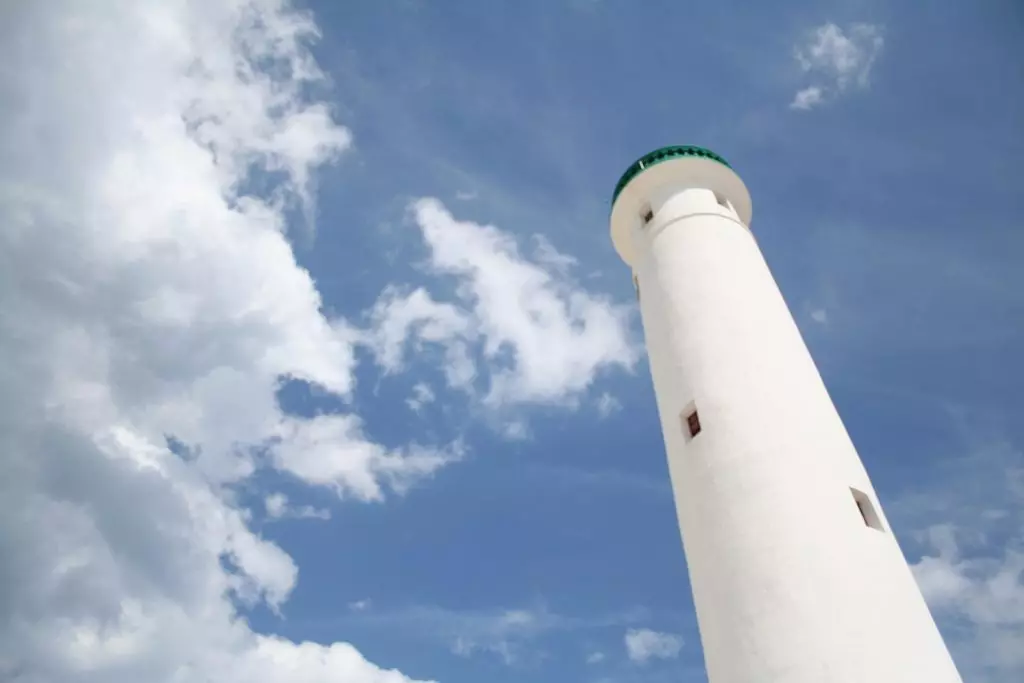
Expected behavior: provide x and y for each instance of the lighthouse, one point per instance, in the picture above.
(795, 572)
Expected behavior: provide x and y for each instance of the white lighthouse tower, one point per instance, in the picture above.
(796, 575)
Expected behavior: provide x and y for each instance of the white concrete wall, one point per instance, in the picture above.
(789, 583)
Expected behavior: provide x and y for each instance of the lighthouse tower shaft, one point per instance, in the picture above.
(795, 572)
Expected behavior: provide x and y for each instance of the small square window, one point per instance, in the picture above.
(646, 214)
(692, 421)
(867, 510)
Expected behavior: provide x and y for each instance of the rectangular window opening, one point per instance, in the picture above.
(691, 422)
(722, 201)
(646, 214)
(867, 510)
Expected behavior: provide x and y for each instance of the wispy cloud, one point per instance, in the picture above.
(513, 636)
(516, 430)
(422, 395)
(607, 404)
(360, 605)
(967, 523)
(837, 61)
(820, 316)
(502, 634)
(331, 451)
(808, 97)
(643, 645)
(277, 506)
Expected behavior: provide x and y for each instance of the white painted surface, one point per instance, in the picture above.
(789, 584)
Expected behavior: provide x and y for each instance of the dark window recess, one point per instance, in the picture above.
(721, 200)
(647, 215)
(693, 424)
(867, 510)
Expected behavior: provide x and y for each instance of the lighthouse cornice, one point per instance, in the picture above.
(660, 155)
(652, 178)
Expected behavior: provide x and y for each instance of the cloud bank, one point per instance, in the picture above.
(146, 294)
(151, 305)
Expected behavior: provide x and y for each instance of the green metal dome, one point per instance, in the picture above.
(663, 154)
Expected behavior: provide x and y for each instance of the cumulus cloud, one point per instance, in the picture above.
(837, 61)
(151, 307)
(643, 644)
(146, 295)
(540, 337)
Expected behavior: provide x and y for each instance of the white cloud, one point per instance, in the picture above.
(988, 593)
(144, 295)
(422, 395)
(820, 316)
(644, 644)
(276, 504)
(545, 254)
(400, 319)
(608, 404)
(277, 507)
(837, 60)
(808, 98)
(542, 338)
(360, 605)
(595, 657)
(516, 430)
(971, 565)
(331, 450)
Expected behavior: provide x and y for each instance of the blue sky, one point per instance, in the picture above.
(889, 213)
(440, 446)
